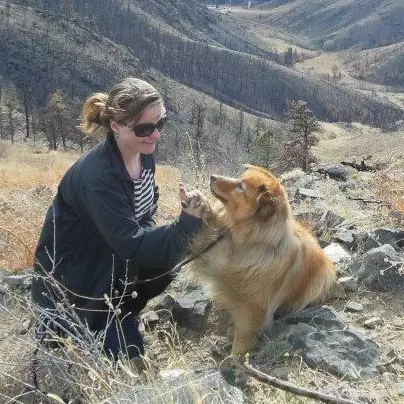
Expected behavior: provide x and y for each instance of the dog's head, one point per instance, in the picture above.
(257, 193)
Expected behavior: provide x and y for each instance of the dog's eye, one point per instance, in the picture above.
(240, 187)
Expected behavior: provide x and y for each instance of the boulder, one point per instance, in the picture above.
(336, 253)
(192, 309)
(322, 339)
(381, 269)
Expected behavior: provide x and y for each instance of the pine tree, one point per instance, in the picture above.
(303, 128)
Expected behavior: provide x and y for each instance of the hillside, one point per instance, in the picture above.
(61, 49)
(340, 24)
(383, 65)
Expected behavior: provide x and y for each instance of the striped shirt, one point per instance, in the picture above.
(143, 193)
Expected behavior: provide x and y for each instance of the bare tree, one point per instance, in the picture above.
(11, 126)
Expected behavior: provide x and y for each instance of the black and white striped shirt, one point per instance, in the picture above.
(143, 193)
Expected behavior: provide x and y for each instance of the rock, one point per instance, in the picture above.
(380, 269)
(303, 193)
(319, 317)
(354, 307)
(182, 387)
(21, 282)
(349, 283)
(345, 237)
(337, 292)
(163, 302)
(394, 237)
(336, 171)
(336, 253)
(366, 241)
(192, 309)
(311, 218)
(320, 335)
(345, 353)
(363, 242)
(330, 220)
(373, 322)
(150, 317)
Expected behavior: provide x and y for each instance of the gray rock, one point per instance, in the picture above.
(182, 388)
(150, 317)
(345, 237)
(337, 291)
(373, 322)
(330, 220)
(311, 218)
(354, 307)
(343, 353)
(192, 310)
(366, 241)
(336, 252)
(349, 283)
(163, 302)
(320, 335)
(20, 282)
(394, 237)
(380, 268)
(363, 242)
(335, 171)
(303, 193)
(319, 317)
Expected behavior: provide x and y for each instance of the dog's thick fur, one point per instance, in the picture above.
(266, 263)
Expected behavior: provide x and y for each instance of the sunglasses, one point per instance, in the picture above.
(146, 129)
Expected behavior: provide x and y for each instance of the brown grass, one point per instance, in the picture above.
(28, 180)
(390, 189)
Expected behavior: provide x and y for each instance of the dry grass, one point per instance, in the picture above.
(390, 189)
(341, 141)
(28, 180)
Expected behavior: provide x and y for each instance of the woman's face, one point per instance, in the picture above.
(126, 136)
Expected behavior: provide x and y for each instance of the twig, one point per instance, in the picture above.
(366, 200)
(291, 388)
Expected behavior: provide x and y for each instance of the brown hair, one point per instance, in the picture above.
(124, 103)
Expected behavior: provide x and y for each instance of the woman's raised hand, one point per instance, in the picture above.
(192, 202)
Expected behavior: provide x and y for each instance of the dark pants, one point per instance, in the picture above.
(115, 342)
(123, 337)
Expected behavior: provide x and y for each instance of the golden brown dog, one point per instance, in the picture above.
(267, 261)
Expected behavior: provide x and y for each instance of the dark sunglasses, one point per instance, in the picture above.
(146, 129)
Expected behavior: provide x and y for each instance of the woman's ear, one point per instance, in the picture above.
(114, 125)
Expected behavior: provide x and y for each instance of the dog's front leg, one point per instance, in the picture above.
(247, 322)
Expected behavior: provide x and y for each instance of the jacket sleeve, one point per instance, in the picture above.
(154, 247)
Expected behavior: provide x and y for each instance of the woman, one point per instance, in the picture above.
(99, 250)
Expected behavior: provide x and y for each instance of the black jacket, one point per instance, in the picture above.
(91, 242)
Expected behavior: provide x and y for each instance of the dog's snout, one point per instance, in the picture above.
(213, 178)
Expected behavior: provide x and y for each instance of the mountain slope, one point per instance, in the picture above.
(339, 24)
(382, 65)
(238, 78)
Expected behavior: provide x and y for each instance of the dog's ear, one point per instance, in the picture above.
(266, 203)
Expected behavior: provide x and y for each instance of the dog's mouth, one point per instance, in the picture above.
(216, 195)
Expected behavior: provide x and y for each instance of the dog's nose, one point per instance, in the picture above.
(213, 178)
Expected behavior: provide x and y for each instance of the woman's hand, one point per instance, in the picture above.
(191, 202)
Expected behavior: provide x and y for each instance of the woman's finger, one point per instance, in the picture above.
(182, 192)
